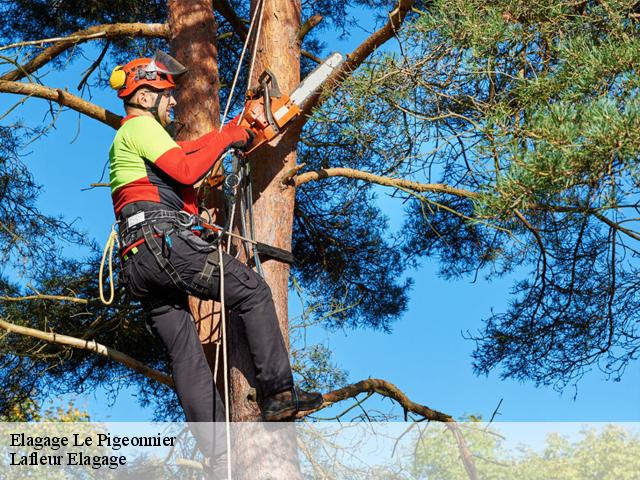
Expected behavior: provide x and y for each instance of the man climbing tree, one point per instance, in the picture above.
(155, 203)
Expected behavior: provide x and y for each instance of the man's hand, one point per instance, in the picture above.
(247, 145)
(243, 135)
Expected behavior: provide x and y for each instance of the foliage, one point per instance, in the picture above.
(607, 453)
(27, 237)
(530, 111)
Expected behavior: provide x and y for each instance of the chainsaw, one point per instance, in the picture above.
(268, 111)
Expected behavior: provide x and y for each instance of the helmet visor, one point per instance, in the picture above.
(165, 63)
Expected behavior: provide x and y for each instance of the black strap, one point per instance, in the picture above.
(275, 253)
(129, 234)
(154, 246)
(211, 264)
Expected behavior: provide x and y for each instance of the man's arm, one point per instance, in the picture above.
(156, 146)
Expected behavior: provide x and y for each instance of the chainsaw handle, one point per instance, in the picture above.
(268, 77)
(266, 94)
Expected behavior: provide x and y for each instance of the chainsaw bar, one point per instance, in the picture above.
(314, 80)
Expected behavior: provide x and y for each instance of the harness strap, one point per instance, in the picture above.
(212, 263)
(152, 242)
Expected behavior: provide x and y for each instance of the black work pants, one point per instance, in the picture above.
(245, 292)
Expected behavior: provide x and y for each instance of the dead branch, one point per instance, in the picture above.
(60, 298)
(92, 346)
(63, 98)
(361, 53)
(388, 389)
(108, 31)
(297, 180)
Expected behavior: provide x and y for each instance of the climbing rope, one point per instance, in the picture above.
(225, 360)
(112, 241)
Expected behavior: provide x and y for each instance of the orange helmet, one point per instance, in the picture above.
(157, 72)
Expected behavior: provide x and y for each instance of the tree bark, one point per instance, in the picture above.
(278, 50)
(193, 43)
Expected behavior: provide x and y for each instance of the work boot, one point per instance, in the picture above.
(286, 404)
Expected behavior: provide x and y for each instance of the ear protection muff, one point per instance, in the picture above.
(118, 78)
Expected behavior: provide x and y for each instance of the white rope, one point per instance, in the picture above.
(260, 5)
(255, 49)
(221, 260)
(108, 250)
(225, 365)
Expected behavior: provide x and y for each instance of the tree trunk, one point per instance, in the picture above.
(279, 51)
(193, 41)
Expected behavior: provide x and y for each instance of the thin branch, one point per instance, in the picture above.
(60, 298)
(92, 346)
(108, 31)
(308, 26)
(297, 180)
(616, 226)
(63, 98)
(360, 54)
(94, 65)
(388, 389)
(42, 41)
(311, 56)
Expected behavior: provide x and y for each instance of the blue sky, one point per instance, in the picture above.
(425, 355)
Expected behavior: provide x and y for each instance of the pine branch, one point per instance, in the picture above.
(224, 8)
(296, 180)
(63, 98)
(360, 54)
(92, 346)
(61, 44)
(386, 389)
(309, 25)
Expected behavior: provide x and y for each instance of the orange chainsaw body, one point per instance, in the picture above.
(255, 118)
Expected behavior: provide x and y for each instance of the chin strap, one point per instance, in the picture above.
(153, 110)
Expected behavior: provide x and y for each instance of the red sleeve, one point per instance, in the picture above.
(188, 167)
(191, 146)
